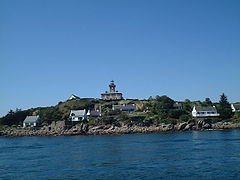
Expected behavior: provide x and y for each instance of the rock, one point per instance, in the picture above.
(206, 126)
(181, 126)
(97, 128)
(168, 127)
(200, 124)
(192, 121)
(75, 130)
(188, 127)
(85, 128)
(112, 127)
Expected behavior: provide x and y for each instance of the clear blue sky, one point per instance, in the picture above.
(182, 49)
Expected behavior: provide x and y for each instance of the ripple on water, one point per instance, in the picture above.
(175, 155)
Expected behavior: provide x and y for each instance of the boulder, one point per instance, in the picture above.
(181, 126)
(207, 126)
(188, 127)
(192, 121)
(200, 124)
(85, 128)
(97, 128)
(169, 127)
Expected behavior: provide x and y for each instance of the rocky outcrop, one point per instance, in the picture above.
(63, 129)
(225, 125)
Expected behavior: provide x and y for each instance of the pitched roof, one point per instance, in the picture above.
(236, 106)
(78, 112)
(205, 108)
(73, 97)
(93, 113)
(31, 119)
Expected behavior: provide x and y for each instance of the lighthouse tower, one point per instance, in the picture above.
(112, 94)
(112, 86)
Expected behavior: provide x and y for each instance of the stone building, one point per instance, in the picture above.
(128, 108)
(112, 94)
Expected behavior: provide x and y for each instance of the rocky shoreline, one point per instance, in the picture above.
(61, 129)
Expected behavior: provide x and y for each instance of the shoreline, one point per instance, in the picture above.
(115, 130)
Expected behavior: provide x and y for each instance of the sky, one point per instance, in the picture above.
(183, 49)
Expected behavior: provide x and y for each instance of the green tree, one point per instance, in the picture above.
(207, 102)
(223, 99)
(176, 113)
(160, 106)
(224, 107)
(14, 118)
(164, 102)
(50, 114)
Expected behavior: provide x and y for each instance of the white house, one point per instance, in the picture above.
(128, 108)
(202, 111)
(235, 107)
(78, 115)
(93, 113)
(73, 97)
(31, 121)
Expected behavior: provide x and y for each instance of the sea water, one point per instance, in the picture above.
(171, 155)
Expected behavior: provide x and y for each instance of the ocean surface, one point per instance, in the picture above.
(171, 155)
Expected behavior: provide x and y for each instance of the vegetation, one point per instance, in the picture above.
(236, 118)
(207, 102)
(154, 111)
(161, 110)
(14, 117)
(224, 107)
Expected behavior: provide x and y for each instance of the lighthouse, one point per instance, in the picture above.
(112, 94)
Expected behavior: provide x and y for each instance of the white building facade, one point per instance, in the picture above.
(128, 108)
(31, 121)
(202, 111)
(78, 115)
(235, 107)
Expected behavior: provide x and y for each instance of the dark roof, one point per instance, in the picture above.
(206, 108)
(125, 107)
(236, 106)
(93, 113)
(31, 119)
(78, 113)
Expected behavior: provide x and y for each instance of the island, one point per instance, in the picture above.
(112, 114)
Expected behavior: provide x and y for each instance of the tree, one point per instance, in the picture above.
(176, 113)
(223, 99)
(164, 102)
(14, 118)
(50, 114)
(224, 107)
(150, 98)
(160, 106)
(207, 102)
